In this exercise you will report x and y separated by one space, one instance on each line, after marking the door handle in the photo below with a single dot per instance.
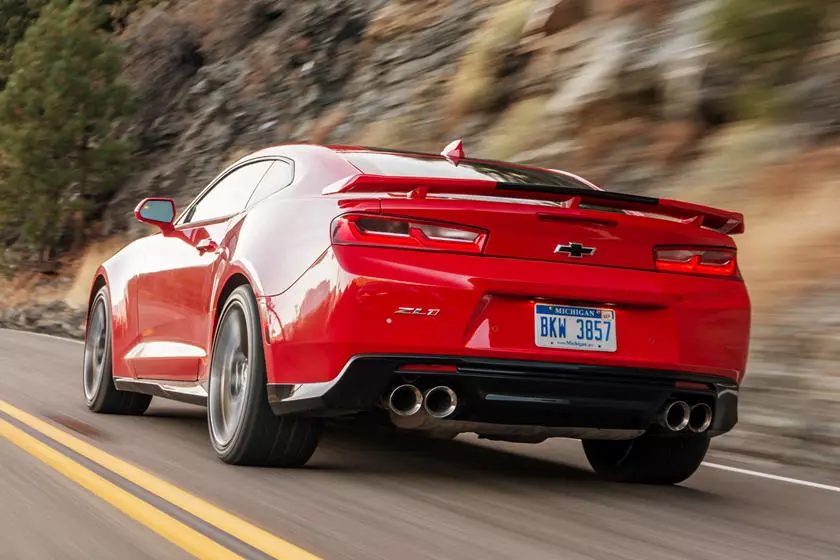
206 246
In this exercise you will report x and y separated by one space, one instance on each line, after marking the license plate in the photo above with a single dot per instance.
577 328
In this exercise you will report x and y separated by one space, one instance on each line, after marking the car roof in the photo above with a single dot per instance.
311 152
307 149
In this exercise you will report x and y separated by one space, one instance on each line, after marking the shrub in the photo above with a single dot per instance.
60 158
761 31
763 43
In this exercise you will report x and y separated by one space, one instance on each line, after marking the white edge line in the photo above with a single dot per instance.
774 477
64 338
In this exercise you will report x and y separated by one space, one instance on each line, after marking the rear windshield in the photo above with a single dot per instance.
404 165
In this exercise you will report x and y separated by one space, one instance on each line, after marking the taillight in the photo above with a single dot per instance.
384 231
704 262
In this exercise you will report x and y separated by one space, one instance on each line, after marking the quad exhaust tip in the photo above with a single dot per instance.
678 416
405 400
700 418
440 402
675 416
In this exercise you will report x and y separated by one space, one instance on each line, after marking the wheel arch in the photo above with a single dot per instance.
233 281
99 281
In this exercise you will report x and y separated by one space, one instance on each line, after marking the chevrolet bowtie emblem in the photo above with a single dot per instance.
575 250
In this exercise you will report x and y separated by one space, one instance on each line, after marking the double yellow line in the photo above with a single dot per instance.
178 533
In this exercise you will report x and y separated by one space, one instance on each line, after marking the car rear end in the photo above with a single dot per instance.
515 303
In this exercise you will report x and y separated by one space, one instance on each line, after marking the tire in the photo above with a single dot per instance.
97 370
648 459
243 429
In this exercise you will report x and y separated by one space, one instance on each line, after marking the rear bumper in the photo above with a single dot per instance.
335 340
516 392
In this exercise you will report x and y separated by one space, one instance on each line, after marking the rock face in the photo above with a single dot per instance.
55 318
815 96
275 79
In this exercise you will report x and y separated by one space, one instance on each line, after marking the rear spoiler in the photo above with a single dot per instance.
418 187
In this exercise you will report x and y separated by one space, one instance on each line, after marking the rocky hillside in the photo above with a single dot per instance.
733 103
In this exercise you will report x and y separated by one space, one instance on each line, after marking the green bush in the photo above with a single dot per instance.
764 42
760 31
59 156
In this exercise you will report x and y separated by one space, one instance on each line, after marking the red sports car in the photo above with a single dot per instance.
436 292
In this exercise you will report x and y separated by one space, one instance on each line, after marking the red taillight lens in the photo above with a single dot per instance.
704 262
384 231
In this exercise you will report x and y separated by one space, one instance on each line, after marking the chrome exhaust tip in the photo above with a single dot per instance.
700 418
440 402
405 400
675 416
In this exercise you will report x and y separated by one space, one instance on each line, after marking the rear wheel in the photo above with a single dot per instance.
243 429
97 374
648 459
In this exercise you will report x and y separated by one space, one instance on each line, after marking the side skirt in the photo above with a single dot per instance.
192 392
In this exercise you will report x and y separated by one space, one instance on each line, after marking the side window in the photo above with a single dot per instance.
229 195
277 178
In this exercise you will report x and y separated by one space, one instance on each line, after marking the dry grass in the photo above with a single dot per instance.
519 128
34 288
26 288
83 270
398 133
472 88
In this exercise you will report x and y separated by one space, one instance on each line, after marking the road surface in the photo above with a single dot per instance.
68 490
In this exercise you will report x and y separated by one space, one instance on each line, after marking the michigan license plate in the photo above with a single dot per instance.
577 328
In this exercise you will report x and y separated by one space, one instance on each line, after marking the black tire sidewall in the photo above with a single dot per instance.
242 297
648 459
106 384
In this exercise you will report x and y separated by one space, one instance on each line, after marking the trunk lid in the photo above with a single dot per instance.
551 233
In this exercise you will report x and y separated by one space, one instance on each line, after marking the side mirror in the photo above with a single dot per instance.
156 211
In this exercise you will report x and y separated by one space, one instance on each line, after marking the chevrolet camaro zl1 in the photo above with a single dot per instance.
437 293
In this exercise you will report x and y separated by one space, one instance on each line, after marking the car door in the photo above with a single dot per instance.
174 289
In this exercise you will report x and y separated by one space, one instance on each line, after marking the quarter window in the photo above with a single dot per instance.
230 194
278 177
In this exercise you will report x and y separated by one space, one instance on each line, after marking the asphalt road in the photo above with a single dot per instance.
371 496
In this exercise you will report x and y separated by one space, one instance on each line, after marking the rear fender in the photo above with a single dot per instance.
282 238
